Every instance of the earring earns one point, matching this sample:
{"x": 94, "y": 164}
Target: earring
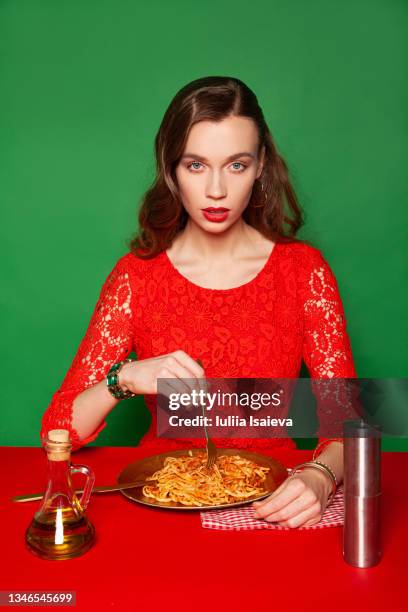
{"x": 263, "y": 197}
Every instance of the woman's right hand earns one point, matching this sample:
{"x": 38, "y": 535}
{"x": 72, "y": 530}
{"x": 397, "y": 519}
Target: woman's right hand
{"x": 140, "y": 377}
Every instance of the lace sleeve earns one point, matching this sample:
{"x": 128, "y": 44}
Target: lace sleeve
{"x": 326, "y": 345}
{"x": 108, "y": 339}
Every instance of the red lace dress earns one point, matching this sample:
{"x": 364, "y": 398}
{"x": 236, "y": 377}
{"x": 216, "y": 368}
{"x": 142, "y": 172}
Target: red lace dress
{"x": 263, "y": 329}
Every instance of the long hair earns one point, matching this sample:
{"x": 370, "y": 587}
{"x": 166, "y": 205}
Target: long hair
{"x": 273, "y": 208}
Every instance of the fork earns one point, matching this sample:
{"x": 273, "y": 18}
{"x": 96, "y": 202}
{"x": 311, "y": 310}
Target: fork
{"x": 210, "y": 446}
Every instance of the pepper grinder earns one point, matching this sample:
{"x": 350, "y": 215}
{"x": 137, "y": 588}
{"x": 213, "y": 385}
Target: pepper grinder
{"x": 362, "y": 493}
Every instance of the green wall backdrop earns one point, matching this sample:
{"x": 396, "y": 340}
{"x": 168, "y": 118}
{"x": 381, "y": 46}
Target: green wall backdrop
{"x": 84, "y": 85}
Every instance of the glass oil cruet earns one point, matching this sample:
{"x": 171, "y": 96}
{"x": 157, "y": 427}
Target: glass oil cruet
{"x": 60, "y": 529}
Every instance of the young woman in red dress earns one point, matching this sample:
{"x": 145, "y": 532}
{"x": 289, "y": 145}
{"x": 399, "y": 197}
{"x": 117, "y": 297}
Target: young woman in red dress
{"x": 215, "y": 273}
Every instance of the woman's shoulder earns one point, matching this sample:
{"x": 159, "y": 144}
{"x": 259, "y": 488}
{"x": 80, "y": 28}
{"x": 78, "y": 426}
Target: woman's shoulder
{"x": 132, "y": 264}
{"x": 311, "y": 269}
{"x": 307, "y": 263}
{"x": 301, "y": 253}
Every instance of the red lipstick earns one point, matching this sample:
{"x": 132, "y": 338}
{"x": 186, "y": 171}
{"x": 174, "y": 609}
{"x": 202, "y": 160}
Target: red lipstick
{"x": 216, "y": 215}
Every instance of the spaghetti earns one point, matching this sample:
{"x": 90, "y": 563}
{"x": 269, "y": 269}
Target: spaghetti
{"x": 186, "y": 480}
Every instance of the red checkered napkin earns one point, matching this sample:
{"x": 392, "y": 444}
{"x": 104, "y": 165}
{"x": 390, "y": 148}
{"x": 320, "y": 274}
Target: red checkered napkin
{"x": 242, "y": 518}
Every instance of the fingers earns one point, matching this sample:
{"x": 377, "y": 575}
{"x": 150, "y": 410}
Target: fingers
{"x": 186, "y": 374}
{"x": 310, "y": 516}
{"x": 291, "y": 505}
{"x": 295, "y": 513}
{"x": 169, "y": 385}
{"x": 312, "y": 521}
{"x": 178, "y": 368}
{"x": 286, "y": 493}
{"x": 170, "y": 378}
{"x": 194, "y": 369}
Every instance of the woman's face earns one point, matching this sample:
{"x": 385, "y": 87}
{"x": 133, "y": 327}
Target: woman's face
{"x": 217, "y": 171}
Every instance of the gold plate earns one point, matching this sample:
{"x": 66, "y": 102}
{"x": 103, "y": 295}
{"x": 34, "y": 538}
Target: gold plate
{"x": 141, "y": 469}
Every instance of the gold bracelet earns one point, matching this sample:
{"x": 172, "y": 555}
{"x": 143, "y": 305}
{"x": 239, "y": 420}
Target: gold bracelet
{"x": 323, "y": 468}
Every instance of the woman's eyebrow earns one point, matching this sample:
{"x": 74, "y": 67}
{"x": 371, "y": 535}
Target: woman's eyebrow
{"x": 230, "y": 158}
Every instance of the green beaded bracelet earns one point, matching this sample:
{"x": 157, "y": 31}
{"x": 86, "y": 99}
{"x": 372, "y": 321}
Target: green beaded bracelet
{"x": 112, "y": 381}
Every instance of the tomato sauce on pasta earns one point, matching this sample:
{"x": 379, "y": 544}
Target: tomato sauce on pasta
{"x": 186, "y": 480}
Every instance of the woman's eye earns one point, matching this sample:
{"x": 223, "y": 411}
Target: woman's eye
{"x": 239, "y": 164}
{"x": 193, "y": 165}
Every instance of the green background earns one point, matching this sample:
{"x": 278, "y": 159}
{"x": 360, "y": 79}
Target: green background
{"x": 84, "y": 86}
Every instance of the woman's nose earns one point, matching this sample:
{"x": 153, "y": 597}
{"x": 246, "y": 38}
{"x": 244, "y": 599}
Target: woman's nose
{"x": 216, "y": 186}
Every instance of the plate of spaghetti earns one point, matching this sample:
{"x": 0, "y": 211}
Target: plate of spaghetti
{"x": 180, "y": 480}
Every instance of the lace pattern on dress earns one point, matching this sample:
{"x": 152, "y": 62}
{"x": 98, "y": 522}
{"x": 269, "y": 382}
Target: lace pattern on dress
{"x": 327, "y": 350}
{"x": 108, "y": 339}
{"x": 327, "y": 346}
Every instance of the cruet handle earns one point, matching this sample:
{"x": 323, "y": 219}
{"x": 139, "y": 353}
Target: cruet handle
{"x": 90, "y": 480}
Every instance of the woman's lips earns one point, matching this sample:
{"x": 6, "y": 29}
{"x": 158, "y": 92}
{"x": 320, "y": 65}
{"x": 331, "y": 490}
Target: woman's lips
{"x": 216, "y": 216}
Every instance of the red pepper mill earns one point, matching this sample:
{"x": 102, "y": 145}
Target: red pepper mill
{"x": 362, "y": 494}
{"x": 60, "y": 529}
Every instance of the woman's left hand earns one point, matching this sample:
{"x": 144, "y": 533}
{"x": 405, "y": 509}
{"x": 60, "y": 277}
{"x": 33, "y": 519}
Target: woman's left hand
{"x": 299, "y": 501}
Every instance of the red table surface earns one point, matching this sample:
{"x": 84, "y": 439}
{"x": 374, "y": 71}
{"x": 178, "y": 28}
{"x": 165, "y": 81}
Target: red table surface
{"x": 149, "y": 559}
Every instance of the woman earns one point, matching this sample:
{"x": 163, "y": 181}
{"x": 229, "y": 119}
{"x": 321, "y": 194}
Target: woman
{"x": 215, "y": 274}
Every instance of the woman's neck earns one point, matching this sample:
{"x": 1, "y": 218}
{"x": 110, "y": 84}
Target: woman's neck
{"x": 236, "y": 242}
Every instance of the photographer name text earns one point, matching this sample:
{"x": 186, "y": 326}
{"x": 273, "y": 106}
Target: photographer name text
{"x": 228, "y": 421}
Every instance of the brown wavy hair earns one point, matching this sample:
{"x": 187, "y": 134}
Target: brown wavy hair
{"x": 273, "y": 208}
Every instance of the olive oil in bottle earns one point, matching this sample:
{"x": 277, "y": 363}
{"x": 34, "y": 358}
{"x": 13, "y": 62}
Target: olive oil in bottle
{"x": 60, "y": 529}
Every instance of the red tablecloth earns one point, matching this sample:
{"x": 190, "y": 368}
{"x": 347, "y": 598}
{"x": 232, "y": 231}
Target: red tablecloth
{"x": 149, "y": 559}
